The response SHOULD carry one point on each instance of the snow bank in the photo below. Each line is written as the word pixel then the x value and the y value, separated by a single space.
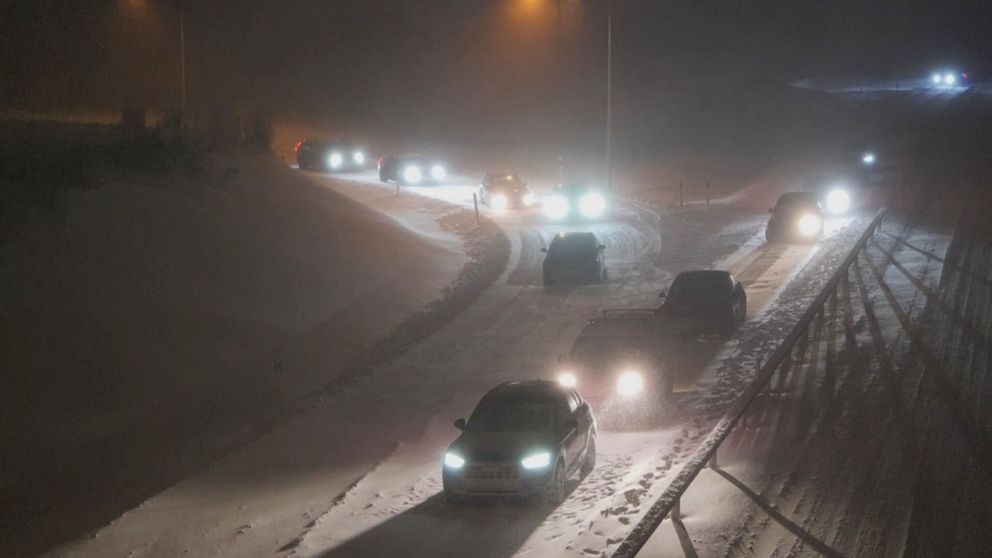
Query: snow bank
pixel 154 318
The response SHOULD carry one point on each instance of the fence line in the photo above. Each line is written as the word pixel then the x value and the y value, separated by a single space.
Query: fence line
pixel 668 501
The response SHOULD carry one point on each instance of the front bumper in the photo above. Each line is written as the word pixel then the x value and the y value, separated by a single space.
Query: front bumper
pixel 495 480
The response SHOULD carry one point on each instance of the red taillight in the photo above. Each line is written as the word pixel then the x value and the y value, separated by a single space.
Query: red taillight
pixel 299 144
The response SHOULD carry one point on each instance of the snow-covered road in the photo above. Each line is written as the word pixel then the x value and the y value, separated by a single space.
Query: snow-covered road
pixel 357 474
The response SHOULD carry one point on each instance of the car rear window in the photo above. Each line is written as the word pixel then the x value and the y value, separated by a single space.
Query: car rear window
pixel 572 246
pixel 699 286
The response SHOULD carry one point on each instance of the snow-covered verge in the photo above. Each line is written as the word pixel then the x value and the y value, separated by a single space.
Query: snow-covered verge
pixel 875 441
pixel 154 322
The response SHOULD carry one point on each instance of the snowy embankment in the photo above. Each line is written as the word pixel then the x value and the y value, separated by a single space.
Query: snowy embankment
pixel 155 321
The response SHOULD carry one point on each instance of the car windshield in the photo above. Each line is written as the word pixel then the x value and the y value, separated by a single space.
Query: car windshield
pixel 505 180
pixel 796 200
pixel 572 189
pixel 565 247
pixel 513 416
pixel 598 351
pixel 699 287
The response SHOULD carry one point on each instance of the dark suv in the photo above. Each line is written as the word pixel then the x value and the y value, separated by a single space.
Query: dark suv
pixel 575 257
pixel 797 216
pixel 712 299
pixel 524 439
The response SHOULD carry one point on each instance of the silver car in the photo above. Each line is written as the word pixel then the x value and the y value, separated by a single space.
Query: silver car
pixel 524 439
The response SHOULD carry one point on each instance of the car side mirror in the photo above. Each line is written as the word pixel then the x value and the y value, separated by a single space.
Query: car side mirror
pixel 545 250
pixel 460 424
pixel 561 359
pixel 662 294
pixel 602 247
pixel 771 210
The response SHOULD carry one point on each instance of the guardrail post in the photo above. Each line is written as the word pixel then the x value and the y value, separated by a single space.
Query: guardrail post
pixel 676 513
pixel 707 194
pixel 397 187
pixel 681 195
pixel 475 203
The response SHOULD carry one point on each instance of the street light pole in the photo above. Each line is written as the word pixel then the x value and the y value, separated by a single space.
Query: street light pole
pixel 609 96
pixel 182 51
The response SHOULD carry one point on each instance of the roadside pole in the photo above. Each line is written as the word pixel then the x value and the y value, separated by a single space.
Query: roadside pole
pixel 475 204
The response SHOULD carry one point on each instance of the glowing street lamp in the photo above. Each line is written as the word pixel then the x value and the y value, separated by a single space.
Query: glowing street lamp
pixel 868 159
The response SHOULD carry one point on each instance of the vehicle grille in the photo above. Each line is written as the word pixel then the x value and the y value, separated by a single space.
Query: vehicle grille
pixel 491 472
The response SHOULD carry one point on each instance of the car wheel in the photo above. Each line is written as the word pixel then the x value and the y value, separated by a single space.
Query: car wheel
pixel 554 493
pixel 589 463
pixel 382 176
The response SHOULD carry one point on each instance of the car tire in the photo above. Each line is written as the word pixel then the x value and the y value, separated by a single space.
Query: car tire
pixel 554 492
pixel 589 463
pixel 382 177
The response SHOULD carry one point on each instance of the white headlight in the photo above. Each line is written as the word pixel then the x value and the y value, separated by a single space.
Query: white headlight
pixel 438 172
pixel 950 79
pixel 567 379
pixel 335 159
pixel 556 206
pixel 528 199
pixel 630 383
pixel 592 205
pixel 453 460
pixel 936 79
pixel 809 225
pixel 412 175
pixel 838 201
pixel 536 461
pixel 499 202
pixel 358 157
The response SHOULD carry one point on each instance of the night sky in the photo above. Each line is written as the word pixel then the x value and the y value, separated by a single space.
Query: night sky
pixel 421 62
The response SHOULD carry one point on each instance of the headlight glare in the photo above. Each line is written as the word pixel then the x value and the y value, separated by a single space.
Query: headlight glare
pixel 556 207
pixel 499 202
pixel 412 175
pixel 592 205
pixel 335 159
pixel 567 379
pixel 630 383
pixel 438 172
pixel 536 461
pixel 358 157
pixel 453 460
pixel 528 199
pixel 838 201
pixel 809 225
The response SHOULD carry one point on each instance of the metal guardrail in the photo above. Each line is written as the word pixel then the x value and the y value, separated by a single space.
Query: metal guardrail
pixel 668 502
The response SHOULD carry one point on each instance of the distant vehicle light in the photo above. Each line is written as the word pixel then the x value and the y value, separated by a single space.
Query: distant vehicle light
pixel 838 201
pixel 536 461
pixel 358 157
pixel 809 225
pixel 413 175
pixel 299 144
pixel 556 206
pixel 950 79
pixel 453 460
pixel 528 199
pixel 936 79
pixel 335 159
pixel 868 158
pixel 630 383
pixel 568 379
pixel 438 172
pixel 592 205
pixel 499 202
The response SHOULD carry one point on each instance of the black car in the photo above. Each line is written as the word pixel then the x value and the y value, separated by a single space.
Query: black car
pixel 797 216
pixel 714 301
pixel 574 200
pixel 410 169
pixel 501 190
pixel 337 155
pixel 524 439
pixel 574 257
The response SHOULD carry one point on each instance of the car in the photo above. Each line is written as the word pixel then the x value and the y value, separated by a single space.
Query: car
pixel 574 200
pixel 525 440
pixel 622 358
pixel 501 190
pixel 337 155
pixel 574 257
pixel 797 216
pixel 714 301
pixel 410 169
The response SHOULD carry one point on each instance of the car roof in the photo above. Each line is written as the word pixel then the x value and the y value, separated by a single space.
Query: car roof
pixel 700 273
pixel 793 197
pixel 582 235
pixel 527 389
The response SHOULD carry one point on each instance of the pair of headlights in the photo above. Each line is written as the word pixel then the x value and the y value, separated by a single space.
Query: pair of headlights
pixel 413 174
pixel 629 383
pixel 500 202
pixel 336 159
pixel 539 460
pixel 591 205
